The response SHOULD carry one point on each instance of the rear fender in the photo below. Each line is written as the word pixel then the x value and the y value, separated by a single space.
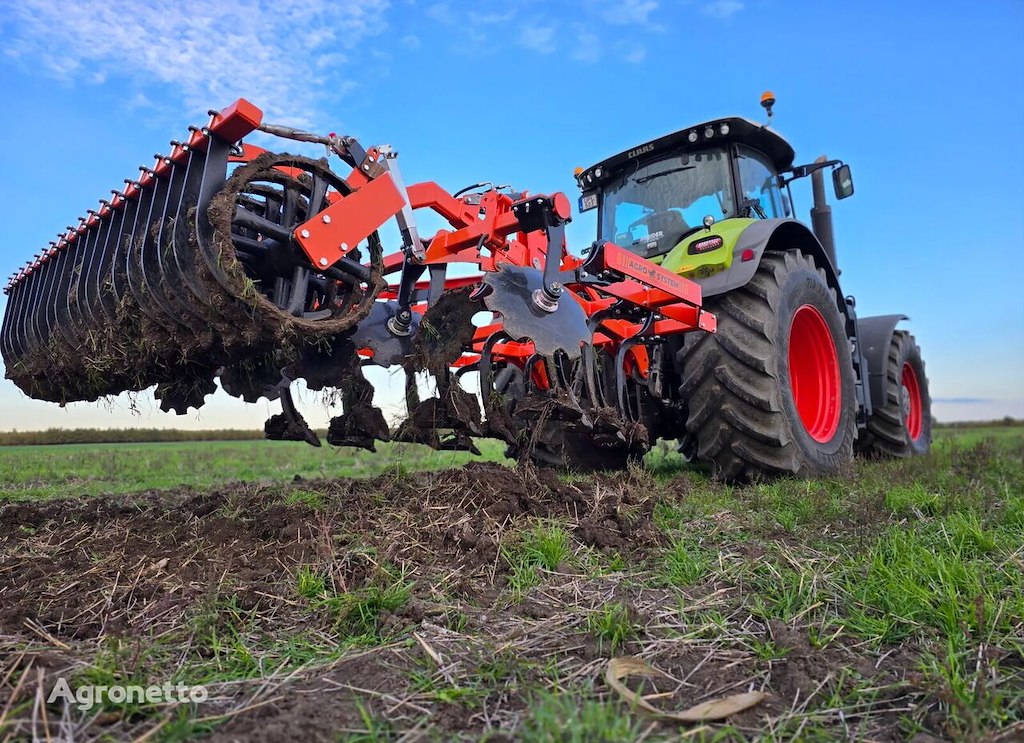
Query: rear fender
pixel 874 336
pixel 770 234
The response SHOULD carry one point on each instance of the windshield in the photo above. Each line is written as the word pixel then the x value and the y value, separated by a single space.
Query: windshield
pixel 655 206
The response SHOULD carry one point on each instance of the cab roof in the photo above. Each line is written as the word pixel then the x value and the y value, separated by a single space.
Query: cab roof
pixel 740 130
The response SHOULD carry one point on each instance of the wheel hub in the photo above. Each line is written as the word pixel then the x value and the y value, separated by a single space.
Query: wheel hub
pixel 911 403
pixel 814 374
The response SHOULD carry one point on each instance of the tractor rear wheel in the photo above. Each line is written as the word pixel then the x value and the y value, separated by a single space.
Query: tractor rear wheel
pixel 902 426
pixel 772 392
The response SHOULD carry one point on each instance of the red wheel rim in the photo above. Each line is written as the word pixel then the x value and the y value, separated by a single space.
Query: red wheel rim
pixel 814 373
pixel 912 402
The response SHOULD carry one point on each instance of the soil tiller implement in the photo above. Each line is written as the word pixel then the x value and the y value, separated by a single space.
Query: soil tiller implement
pixel 704 313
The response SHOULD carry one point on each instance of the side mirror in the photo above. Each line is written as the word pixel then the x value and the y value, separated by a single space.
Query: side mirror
pixel 842 181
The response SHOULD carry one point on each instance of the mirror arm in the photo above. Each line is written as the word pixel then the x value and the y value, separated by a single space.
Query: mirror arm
pixel 802 171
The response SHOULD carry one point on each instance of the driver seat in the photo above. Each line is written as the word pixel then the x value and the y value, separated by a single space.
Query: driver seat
pixel 672 226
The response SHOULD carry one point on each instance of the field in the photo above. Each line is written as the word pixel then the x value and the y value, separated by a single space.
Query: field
pixel 321 594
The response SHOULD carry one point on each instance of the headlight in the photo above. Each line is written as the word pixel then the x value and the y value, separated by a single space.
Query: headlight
pixel 709 132
pixel 692 136
pixel 706 245
pixel 723 129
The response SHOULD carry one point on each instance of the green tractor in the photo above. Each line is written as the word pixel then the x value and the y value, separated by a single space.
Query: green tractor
pixel 792 382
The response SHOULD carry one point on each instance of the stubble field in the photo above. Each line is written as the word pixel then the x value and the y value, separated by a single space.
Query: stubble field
pixel 409 595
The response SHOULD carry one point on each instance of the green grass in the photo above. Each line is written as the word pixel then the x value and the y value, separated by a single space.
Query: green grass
pixel 31 472
pixel 567 718
pixel 542 548
pixel 43 471
pixel 685 563
pixel 357 613
pixel 310 583
pixel 954 575
pixel 612 626
pixel 305 497
pixel 972 434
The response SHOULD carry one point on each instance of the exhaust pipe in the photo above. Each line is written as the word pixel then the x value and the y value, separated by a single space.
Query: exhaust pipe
pixel 821 215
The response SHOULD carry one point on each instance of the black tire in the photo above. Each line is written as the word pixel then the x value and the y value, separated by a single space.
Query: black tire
pixel 742 411
pixel 889 427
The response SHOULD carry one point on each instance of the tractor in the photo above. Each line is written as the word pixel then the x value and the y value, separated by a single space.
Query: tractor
pixel 792 381
pixel 703 312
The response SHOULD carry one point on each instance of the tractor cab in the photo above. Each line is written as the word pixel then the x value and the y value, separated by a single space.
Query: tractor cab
pixel 692 183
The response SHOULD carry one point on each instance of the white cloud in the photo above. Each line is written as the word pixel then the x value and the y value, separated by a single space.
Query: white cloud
pixel 587 48
pixel 411 41
pixel 441 12
pixel 629 12
pixel 490 19
pixel 467 31
pixel 722 9
pixel 139 100
pixel 284 55
pixel 636 56
pixel 538 38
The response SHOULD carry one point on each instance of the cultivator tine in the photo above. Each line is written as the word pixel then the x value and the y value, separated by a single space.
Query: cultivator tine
pixel 27 291
pixel 101 276
pixel 24 322
pixel 5 325
pixel 39 282
pixel 45 313
pixel 118 274
pixel 49 287
pixel 182 242
pixel 148 252
pixel 289 425
pixel 55 309
pixel 620 364
pixel 84 256
pixel 67 298
pixel 19 299
pixel 49 307
pixel 86 300
pixel 33 333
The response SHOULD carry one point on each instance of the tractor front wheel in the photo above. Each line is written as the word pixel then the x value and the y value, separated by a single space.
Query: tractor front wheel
pixel 772 392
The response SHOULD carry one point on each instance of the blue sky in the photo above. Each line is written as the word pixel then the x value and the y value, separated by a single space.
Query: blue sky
pixel 923 99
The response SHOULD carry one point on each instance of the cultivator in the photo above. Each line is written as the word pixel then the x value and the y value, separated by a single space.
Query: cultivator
pixel 225 260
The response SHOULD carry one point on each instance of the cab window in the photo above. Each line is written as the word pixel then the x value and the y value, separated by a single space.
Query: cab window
pixel 759 185
pixel 652 208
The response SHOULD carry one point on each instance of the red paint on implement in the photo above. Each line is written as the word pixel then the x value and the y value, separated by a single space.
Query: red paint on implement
pixel 236 121
pixel 668 287
pixel 349 221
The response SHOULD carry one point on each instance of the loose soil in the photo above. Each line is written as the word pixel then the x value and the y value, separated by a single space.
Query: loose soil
pixel 465 654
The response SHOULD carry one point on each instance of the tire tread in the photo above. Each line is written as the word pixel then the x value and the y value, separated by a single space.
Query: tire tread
pixel 730 383
pixel 886 433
